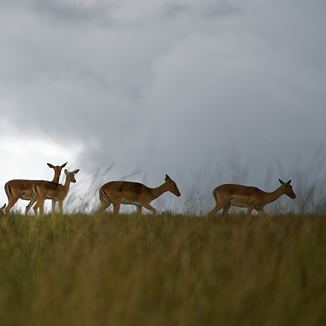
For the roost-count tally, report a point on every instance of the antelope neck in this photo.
(158, 191)
(56, 178)
(66, 185)
(272, 196)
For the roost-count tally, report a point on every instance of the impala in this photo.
(2, 210)
(228, 195)
(133, 193)
(21, 189)
(54, 191)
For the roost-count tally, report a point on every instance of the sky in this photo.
(207, 91)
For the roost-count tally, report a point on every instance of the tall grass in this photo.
(167, 270)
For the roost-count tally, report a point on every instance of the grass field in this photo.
(163, 270)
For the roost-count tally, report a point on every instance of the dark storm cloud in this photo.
(168, 86)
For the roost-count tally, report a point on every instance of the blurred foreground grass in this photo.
(166, 270)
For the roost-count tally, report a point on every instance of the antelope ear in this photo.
(289, 182)
(66, 172)
(50, 165)
(75, 172)
(281, 182)
(167, 177)
(4, 206)
(63, 165)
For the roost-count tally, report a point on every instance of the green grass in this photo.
(163, 270)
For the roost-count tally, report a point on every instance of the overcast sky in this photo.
(208, 91)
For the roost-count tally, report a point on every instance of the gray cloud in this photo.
(64, 11)
(208, 9)
(168, 86)
(74, 11)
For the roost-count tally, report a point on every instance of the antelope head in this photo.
(287, 188)
(172, 186)
(57, 168)
(71, 175)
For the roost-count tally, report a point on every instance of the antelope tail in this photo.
(103, 196)
(8, 191)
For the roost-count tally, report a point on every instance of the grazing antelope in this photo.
(133, 193)
(21, 189)
(2, 210)
(228, 195)
(54, 191)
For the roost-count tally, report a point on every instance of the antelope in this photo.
(133, 193)
(2, 210)
(21, 189)
(228, 195)
(54, 191)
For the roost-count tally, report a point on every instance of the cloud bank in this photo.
(172, 87)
